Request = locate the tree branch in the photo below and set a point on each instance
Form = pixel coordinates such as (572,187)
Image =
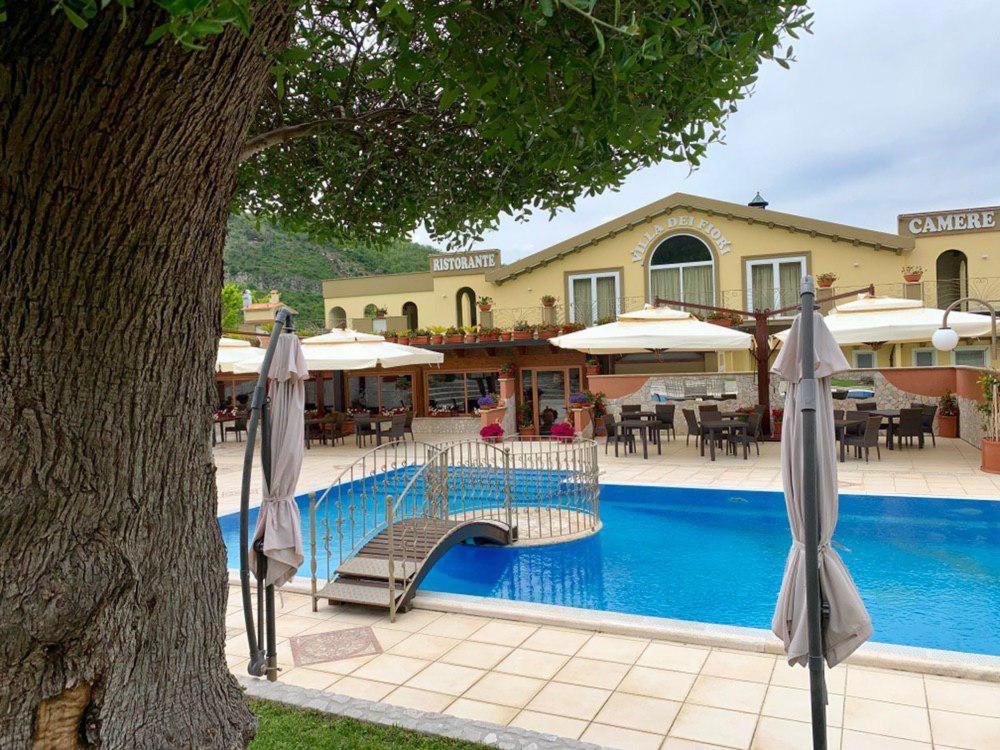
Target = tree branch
(261,141)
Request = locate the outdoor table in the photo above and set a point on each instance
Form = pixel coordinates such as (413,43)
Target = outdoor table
(377,420)
(221,422)
(890,416)
(722,426)
(642,425)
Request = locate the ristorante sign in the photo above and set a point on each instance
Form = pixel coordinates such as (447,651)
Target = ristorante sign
(456,263)
(702,226)
(950,222)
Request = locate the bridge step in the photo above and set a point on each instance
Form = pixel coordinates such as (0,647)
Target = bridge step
(376,567)
(352,592)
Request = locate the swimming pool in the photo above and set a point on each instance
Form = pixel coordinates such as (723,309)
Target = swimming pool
(928,568)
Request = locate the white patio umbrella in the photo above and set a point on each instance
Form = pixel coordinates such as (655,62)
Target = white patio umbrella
(234,352)
(354,350)
(848,625)
(278,520)
(870,320)
(652,329)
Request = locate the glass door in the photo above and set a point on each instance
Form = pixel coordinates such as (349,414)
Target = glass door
(548,392)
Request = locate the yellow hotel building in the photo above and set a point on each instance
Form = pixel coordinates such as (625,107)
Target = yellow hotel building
(699,250)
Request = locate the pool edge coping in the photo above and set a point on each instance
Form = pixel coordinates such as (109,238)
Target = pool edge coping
(938,662)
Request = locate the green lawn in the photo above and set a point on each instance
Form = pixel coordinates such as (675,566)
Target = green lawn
(284,728)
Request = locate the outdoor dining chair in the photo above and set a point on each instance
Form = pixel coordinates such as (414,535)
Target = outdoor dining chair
(911,425)
(363,430)
(615,434)
(239,426)
(866,438)
(866,406)
(408,427)
(397,431)
(631,408)
(751,435)
(693,427)
(930,411)
(664,421)
(704,409)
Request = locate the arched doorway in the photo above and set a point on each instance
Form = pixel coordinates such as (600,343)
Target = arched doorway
(465,307)
(336,318)
(410,313)
(952,277)
(682,268)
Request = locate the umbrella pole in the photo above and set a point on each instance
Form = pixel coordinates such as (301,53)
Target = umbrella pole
(262,660)
(807,404)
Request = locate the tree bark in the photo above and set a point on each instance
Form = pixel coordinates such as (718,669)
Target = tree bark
(117,165)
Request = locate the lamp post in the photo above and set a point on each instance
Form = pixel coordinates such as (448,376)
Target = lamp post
(945,338)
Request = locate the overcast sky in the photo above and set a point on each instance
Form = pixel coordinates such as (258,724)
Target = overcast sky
(893,106)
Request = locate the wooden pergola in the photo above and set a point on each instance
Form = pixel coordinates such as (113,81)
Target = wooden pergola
(762,349)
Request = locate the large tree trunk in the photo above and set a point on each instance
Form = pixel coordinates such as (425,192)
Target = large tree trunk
(117,164)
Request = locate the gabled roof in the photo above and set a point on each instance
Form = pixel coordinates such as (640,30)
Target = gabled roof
(710,206)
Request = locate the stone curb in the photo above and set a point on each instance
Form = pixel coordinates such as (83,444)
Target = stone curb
(452,727)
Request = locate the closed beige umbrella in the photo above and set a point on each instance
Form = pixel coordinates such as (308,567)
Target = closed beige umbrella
(278,521)
(848,624)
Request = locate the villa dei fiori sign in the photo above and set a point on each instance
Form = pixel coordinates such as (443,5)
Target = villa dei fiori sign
(702,226)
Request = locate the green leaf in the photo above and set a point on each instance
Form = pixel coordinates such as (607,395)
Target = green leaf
(546,6)
(73,17)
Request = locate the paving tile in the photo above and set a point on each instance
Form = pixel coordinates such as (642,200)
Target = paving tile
(965,730)
(592,673)
(792,703)
(716,726)
(721,692)
(446,678)
(342,666)
(574,701)
(423,646)
(854,740)
(638,712)
(676,743)
(555,641)
(390,668)
(786,675)
(883,685)
(307,678)
(891,719)
(354,687)
(503,633)
(455,626)
(621,739)
(412,621)
(560,726)
(421,700)
(964,696)
(286,625)
(481,711)
(662,655)
(505,689)
(531,663)
(480,655)
(782,734)
(749,667)
(388,638)
(657,683)
(612,648)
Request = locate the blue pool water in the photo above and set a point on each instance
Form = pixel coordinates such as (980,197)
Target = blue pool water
(928,568)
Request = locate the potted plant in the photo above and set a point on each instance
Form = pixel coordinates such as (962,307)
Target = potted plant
(420,336)
(522,330)
(525,420)
(570,327)
(488,334)
(505,335)
(548,300)
(990,446)
(507,370)
(391,336)
(563,431)
(437,338)
(593,366)
(948,416)
(469,336)
(484,303)
(777,416)
(825,280)
(913,273)
(580,400)
(381,312)
(491,433)
(403,337)
(489,401)
(453,335)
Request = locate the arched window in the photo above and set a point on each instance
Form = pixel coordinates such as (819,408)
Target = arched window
(952,277)
(336,318)
(410,313)
(682,268)
(465,307)
(370,310)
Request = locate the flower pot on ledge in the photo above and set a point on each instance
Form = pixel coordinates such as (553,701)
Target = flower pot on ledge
(912,277)
(948,425)
(593,369)
(991,456)
(526,431)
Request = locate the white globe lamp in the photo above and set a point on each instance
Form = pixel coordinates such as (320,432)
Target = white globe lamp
(945,339)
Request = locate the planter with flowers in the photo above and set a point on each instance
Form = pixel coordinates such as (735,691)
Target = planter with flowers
(487,334)
(453,335)
(403,337)
(777,416)
(547,332)
(593,366)
(948,416)
(990,407)
(392,337)
(381,312)
(491,433)
(825,280)
(505,335)
(912,273)
(420,336)
(469,336)
(719,318)
(522,330)
(563,431)
(437,338)
(507,370)
(484,303)
(570,327)
(581,407)
(525,420)
(548,300)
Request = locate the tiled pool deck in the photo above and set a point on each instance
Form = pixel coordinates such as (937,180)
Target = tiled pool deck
(627,692)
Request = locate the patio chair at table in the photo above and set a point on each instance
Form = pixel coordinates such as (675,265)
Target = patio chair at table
(751,435)
(664,421)
(397,430)
(838,414)
(930,411)
(363,429)
(866,406)
(704,409)
(615,434)
(911,425)
(693,427)
(408,427)
(313,431)
(239,426)
(335,427)
(631,408)
(866,438)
